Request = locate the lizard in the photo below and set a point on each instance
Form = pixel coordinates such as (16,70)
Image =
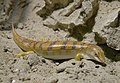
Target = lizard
(59,50)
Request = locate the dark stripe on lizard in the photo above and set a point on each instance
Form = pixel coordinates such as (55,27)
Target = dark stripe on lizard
(64,45)
(74,45)
(41,48)
(50,46)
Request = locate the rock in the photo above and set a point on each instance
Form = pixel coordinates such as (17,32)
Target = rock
(63,66)
(113,39)
(51,80)
(73,17)
(89,38)
(33,59)
(51,5)
(20,26)
(21,66)
(107,25)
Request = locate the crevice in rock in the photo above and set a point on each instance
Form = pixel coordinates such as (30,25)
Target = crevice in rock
(109,52)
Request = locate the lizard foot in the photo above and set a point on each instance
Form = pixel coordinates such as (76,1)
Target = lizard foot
(23,54)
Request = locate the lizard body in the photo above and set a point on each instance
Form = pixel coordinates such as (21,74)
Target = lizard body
(58,50)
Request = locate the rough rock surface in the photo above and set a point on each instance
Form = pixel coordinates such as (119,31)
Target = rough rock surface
(76,18)
(94,21)
(107,24)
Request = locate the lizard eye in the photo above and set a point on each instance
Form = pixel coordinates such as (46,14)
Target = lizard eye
(95,54)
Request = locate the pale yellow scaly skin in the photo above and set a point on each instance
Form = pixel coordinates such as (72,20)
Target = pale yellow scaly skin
(58,50)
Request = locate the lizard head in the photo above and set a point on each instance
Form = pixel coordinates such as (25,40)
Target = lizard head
(98,54)
(94,52)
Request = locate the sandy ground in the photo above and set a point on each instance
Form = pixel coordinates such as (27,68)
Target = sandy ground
(36,69)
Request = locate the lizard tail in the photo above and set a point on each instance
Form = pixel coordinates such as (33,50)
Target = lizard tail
(22,42)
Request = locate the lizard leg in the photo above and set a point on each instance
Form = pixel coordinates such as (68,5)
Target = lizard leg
(23,54)
(79,56)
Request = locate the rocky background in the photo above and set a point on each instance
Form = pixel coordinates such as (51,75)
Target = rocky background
(93,21)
